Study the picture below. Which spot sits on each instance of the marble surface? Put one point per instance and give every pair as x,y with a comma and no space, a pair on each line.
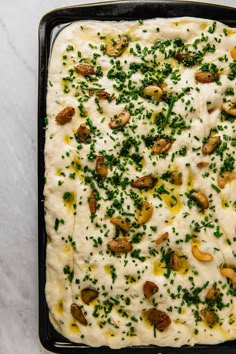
18,177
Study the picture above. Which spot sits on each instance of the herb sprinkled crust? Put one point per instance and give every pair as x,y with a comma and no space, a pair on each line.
140,183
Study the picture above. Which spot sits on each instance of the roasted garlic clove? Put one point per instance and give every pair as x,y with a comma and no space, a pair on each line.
92,201
206,77
91,92
88,295
175,262
201,199
211,145
120,245
154,92
84,69
162,238
149,289
65,115
209,316
101,167
202,164
120,120
176,178
161,145
78,314
229,273
159,319
229,107
121,223
233,52
225,178
144,182
115,48
201,256
102,95
83,133
181,56
145,213
212,294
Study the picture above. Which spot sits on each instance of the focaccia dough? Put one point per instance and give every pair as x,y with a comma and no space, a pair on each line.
167,53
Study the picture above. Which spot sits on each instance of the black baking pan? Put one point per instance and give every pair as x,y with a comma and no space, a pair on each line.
49,26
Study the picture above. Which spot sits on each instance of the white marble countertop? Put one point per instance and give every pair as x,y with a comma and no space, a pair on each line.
18,178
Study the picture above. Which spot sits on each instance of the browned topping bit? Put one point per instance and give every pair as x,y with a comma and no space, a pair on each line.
161,145
65,115
120,223
83,133
230,107
176,178
88,295
101,167
201,256
162,238
78,314
211,145
225,178
229,273
144,182
115,48
120,120
153,91
120,245
209,316
206,77
201,199
212,294
102,95
149,289
202,164
84,69
159,319
181,56
145,213
91,92
175,262
92,201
